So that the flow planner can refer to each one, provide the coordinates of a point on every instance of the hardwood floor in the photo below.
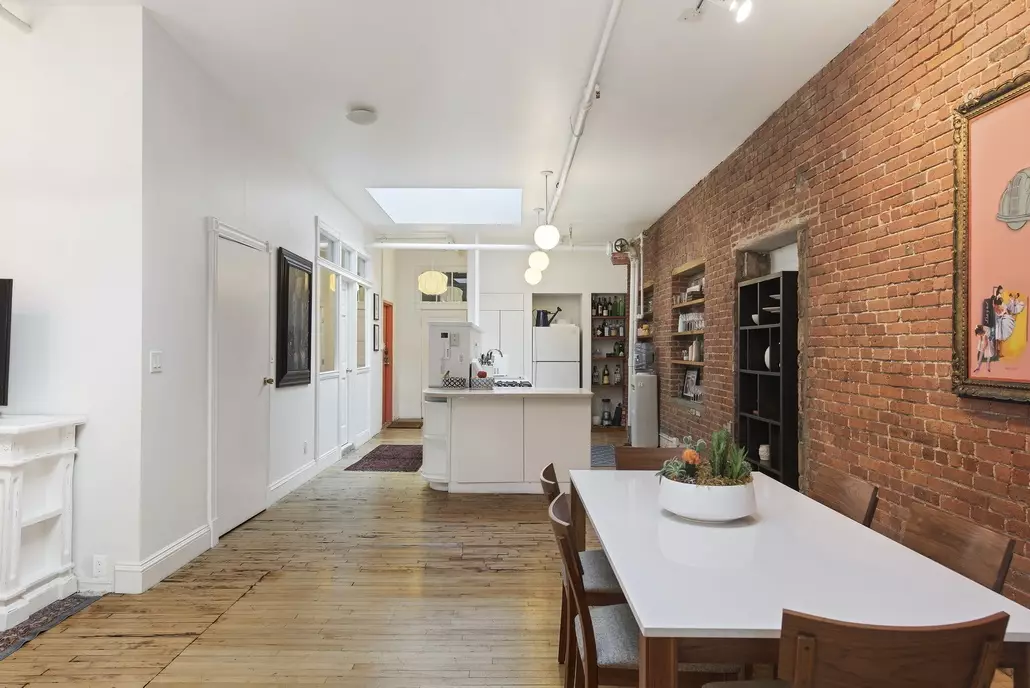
(355, 579)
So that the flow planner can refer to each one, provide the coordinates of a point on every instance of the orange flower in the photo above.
(691, 456)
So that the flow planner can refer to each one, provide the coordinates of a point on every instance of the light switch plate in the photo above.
(155, 362)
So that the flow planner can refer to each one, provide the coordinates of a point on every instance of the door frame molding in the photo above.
(216, 229)
(321, 226)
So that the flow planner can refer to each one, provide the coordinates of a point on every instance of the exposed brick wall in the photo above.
(861, 157)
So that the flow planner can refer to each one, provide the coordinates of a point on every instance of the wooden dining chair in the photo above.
(599, 581)
(643, 458)
(845, 494)
(963, 546)
(821, 653)
(606, 648)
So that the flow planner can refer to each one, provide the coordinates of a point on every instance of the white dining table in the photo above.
(716, 592)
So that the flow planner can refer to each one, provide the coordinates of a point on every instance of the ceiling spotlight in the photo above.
(538, 260)
(533, 276)
(362, 115)
(744, 11)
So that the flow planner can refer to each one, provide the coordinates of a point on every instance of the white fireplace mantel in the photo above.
(37, 461)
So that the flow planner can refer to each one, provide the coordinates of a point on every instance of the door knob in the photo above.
(269, 381)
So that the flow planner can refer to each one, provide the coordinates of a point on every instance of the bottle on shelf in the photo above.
(593, 306)
(605, 377)
(599, 330)
(617, 377)
(596, 379)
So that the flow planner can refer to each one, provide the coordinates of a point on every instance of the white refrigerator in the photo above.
(556, 357)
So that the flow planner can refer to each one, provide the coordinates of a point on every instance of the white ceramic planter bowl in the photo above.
(712, 503)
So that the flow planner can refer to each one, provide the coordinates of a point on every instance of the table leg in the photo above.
(658, 662)
(579, 519)
(1021, 668)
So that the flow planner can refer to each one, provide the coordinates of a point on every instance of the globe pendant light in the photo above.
(533, 276)
(538, 260)
(744, 11)
(432, 283)
(546, 237)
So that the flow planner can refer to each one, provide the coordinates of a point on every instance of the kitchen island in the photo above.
(497, 441)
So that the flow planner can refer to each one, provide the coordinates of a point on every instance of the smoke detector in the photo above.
(362, 115)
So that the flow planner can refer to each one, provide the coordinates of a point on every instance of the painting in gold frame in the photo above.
(991, 357)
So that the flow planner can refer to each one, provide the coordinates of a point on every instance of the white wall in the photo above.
(70, 216)
(201, 158)
(407, 317)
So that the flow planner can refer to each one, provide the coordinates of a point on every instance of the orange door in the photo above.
(387, 363)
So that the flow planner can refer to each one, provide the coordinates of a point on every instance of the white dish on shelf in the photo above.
(772, 309)
(755, 318)
(774, 297)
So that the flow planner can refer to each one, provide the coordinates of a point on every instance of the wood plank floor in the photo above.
(364, 580)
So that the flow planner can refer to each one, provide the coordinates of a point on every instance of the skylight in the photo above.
(451, 206)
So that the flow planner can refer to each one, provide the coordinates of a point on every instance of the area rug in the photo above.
(391, 458)
(602, 456)
(406, 424)
(43, 620)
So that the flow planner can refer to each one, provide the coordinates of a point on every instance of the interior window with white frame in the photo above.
(456, 291)
(360, 323)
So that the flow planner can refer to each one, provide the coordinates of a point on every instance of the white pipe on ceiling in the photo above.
(584, 107)
(15, 20)
(481, 247)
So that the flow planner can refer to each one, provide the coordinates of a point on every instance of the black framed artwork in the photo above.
(375, 308)
(375, 337)
(293, 321)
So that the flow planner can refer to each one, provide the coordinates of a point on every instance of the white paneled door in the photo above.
(242, 365)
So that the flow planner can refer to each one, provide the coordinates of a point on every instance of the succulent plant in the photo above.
(678, 470)
(726, 463)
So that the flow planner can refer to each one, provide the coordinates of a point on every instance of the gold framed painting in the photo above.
(991, 359)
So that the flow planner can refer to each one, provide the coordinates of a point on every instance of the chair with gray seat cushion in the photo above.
(821, 653)
(607, 638)
(602, 588)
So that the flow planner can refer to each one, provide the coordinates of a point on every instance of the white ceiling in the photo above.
(480, 93)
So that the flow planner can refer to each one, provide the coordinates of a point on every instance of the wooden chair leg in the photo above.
(571, 669)
(581, 674)
(563, 628)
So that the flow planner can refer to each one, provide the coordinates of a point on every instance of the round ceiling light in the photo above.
(432, 283)
(533, 276)
(538, 260)
(547, 237)
(744, 11)
(362, 115)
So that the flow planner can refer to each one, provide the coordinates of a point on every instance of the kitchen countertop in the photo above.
(509, 392)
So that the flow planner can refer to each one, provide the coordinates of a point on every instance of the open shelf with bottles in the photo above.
(609, 374)
(767, 375)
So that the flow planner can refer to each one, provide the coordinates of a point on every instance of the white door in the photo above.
(242, 364)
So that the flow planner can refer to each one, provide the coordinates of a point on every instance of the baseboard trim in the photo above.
(291, 481)
(135, 578)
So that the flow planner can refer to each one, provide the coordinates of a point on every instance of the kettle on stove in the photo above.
(542, 319)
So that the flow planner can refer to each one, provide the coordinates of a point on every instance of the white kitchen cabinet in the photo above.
(506, 331)
(556, 432)
(490, 323)
(513, 342)
(435, 446)
(486, 440)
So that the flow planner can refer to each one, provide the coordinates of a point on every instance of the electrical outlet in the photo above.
(101, 569)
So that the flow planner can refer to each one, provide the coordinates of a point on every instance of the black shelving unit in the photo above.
(767, 395)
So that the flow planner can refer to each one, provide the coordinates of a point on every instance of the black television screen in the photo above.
(6, 290)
